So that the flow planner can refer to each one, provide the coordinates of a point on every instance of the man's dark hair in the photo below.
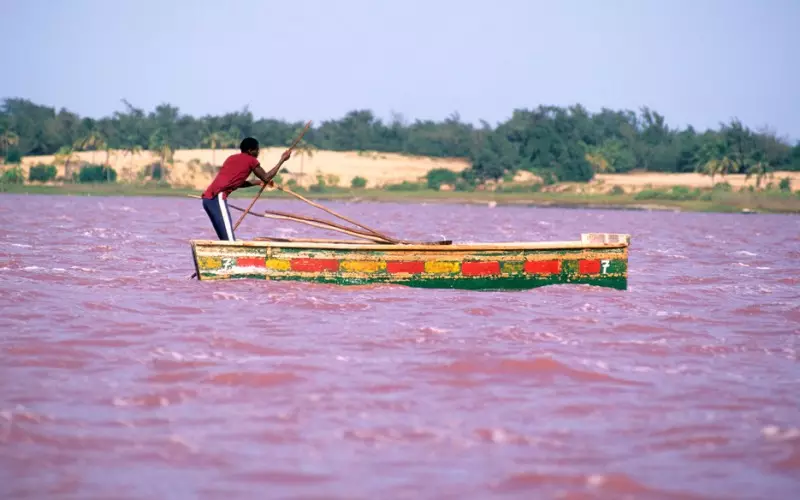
(248, 144)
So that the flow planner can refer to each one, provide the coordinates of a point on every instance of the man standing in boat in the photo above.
(232, 176)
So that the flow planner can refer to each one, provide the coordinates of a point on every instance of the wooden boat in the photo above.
(599, 259)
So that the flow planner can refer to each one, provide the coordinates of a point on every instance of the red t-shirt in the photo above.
(234, 172)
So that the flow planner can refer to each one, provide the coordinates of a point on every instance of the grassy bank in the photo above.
(696, 201)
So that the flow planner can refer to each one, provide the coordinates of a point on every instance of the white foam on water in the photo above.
(227, 296)
(773, 432)
(595, 480)
(84, 269)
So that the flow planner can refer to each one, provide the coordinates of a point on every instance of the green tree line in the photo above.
(557, 143)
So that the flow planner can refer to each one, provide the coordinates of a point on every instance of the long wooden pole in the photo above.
(296, 141)
(312, 240)
(323, 224)
(367, 228)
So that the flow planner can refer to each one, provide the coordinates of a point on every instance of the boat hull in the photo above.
(499, 266)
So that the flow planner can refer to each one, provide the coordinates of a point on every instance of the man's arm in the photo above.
(266, 177)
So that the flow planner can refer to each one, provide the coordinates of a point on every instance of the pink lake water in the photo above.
(122, 379)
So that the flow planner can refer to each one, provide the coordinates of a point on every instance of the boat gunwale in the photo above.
(494, 246)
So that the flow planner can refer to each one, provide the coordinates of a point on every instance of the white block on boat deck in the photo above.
(602, 238)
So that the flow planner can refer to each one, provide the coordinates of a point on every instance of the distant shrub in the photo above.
(723, 186)
(649, 194)
(158, 171)
(13, 156)
(405, 186)
(617, 190)
(332, 180)
(520, 188)
(358, 182)
(676, 193)
(785, 184)
(320, 186)
(97, 173)
(439, 176)
(683, 193)
(464, 185)
(294, 186)
(157, 183)
(12, 175)
(549, 178)
(42, 173)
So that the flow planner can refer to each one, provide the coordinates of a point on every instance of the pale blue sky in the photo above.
(698, 62)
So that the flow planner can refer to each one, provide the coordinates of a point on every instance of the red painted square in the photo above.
(480, 268)
(543, 267)
(589, 267)
(251, 261)
(314, 265)
(411, 267)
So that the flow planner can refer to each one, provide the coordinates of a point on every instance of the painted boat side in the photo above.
(510, 266)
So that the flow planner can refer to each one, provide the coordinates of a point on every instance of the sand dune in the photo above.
(638, 181)
(194, 168)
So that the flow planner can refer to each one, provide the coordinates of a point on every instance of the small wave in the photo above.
(541, 367)
(153, 400)
(746, 253)
(618, 485)
(285, 477)
(479, 311)
(84, 269)
(246, 347)
(227, 296)
(775, 433)
(432, 330)
(253, 379)
(390, 434)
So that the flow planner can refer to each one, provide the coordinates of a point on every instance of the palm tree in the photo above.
(65, 156)
(132, 149)
(598, 162)
(760, 170)
(215, 140)
(94, 140)
(303, 149)
(714, 159)
(160, 143)
(8, 138)
(109, 152)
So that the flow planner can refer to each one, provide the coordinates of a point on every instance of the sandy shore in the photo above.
(638, 181)
(194, 168)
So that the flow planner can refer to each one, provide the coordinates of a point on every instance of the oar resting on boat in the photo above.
(332, 226)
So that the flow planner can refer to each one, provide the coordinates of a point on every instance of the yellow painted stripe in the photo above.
(512, 267)
(278, 264)
(442, 267)
(362, 266)
(209, 262)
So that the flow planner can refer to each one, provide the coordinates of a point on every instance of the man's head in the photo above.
(249, 146)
